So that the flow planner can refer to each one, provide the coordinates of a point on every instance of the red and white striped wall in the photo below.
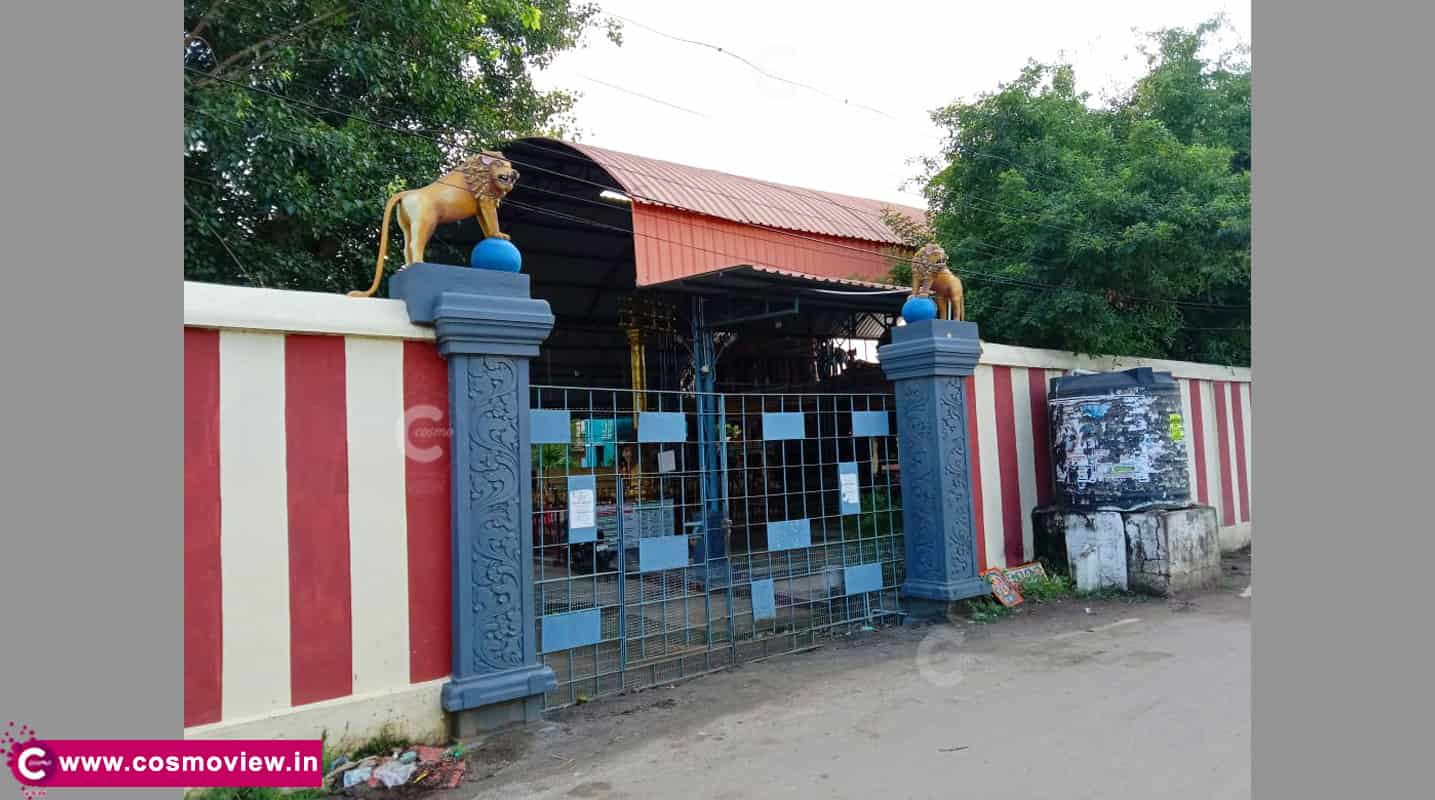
(1012, 457)
(316, 520)
(317, 561)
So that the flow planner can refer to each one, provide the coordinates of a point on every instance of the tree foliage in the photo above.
(290, 110)
(1120, 227)
(913, 235)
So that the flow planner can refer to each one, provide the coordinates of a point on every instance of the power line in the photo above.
(224, 244)
(779, 231)
(753, 66)
(999, 279)
(994, 277)
(806, 195)
(644, 96)
(991, 249)
(813, 196)
(528, 165)
(630, 232)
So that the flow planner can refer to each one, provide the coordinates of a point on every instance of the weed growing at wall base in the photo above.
(1047, 589)
(983, 610)
(384, 744)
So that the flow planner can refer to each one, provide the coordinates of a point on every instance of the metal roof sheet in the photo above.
(833, 301)
(747, 200)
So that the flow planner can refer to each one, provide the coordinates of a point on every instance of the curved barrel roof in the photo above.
(744, 200)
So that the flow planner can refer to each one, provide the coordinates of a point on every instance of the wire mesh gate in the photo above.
(677, 533)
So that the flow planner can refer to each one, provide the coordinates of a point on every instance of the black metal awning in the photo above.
(800, 304)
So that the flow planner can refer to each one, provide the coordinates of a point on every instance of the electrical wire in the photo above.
(970, 273)
(644, 96)
(806, 195)
(779, 231)
(765, 73)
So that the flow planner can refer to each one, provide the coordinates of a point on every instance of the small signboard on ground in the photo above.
(1003, 588)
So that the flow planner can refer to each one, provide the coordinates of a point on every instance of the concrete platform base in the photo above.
(476, 721)
(1160, 551)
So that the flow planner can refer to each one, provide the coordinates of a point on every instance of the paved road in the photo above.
(1129, 701)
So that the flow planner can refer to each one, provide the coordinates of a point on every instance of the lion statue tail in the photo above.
(383, 247)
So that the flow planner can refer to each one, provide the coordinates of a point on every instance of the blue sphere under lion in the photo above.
(917, 309)
(496, 254)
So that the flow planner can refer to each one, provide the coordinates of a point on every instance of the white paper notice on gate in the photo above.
(581, 509)
(848, 482)
(667, 460)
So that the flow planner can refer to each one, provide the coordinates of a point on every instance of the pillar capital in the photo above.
(474, 311)
(930, 349)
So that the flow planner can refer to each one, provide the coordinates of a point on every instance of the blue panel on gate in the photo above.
(863, 578)
(573, 629)
(870, 423)
(764, 600)
(782, 425)
(550, 427)
(662, 552)
(848, 494)
(789, 535)
(582, 509)
(662, 426)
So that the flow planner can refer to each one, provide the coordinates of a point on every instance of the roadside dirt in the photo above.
(561, 747)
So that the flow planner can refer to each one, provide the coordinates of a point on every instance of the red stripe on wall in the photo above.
(1198, 439)
(317, 458)
(426, 474)
(1040, 435)
(1239, 416)
(1007, 465)
(203, 599)
(975, 472)
(1223, 447)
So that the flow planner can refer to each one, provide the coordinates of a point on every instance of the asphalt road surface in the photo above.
(1112, 699)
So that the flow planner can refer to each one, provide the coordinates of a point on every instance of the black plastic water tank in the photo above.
(1118, 440)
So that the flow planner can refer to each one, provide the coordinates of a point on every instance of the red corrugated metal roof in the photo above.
(747, 200)
(670, 243)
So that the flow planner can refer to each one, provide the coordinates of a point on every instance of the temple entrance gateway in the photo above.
(676, 533)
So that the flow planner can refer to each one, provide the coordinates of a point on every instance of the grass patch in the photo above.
(983, 610)
(1048, 589)
(383, 744)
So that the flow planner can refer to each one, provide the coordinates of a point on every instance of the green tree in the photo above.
(285, 169)
(1121, 227)
(913, 235)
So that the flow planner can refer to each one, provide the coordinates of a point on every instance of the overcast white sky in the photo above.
(905, 58)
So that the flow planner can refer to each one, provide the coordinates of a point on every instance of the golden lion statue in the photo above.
(474, 189)
(930, 276)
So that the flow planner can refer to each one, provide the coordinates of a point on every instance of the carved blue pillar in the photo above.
(488, 327)
(927, 362)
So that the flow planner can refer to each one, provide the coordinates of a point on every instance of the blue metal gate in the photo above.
(677, 533)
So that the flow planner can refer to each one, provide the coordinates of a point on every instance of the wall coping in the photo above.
(210, 305)
(1007, 355)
